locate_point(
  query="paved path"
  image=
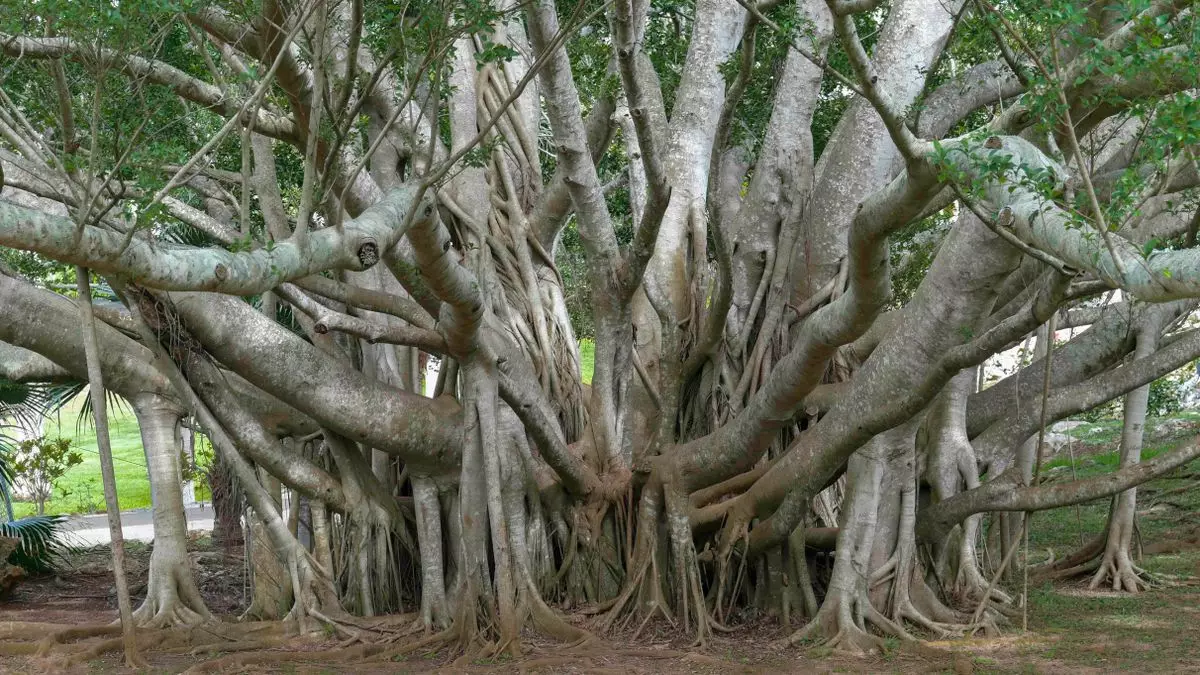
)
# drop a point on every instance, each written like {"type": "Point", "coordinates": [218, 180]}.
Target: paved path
{"type": "Point", "coordinates": [87, 531]}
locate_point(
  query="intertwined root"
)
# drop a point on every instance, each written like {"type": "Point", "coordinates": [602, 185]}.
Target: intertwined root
{"type": "Point", "coordinates": [236, 645]}
{"type": "Point", "coordinates": [1118, 568]}
{"type": "Point", "coordinates": [169, 604]}
{"type": "Point", "coordinates": [841, 625]}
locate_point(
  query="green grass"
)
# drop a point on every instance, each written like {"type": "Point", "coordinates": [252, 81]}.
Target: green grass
{"type": "Point", "coordinates": [1063, 529]}
{"type": "Point", "coordinates": [1148, 632]}
{"type": "Point", "coordinates": [587, 360]}
{"type": "Point", "coordinates": [79, 490]}
{"type": "Point", "coordinates": [1073, 629]}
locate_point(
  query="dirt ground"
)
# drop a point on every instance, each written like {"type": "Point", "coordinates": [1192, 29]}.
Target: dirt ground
{"type": "Point", "coordinates": [1072, 630]}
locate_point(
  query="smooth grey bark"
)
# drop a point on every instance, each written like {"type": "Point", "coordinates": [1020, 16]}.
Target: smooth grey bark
{"type": "Point", "coordinates": [95, 379]}
{"type": "Point", "coordinates": [172, 598]}
{"type": "Point", "coordinates": [860, 157]}
{"type": "Point", "coordinates": [1116, 564]}
{"type": "Point", "coordinates": [435, 611]}
{"type": "Point", "coordinates": [271, 589]}
{"type": "Point", "coordinates": [21, 365]}
{"type": "Point", "coordinates": [421, 430]}
{"type": "Point", "coordinates": [357, 245]}
{"type": "Point", "coordinates": [951, 468]}
{"type": "Point", "coordinates": [47, 323]}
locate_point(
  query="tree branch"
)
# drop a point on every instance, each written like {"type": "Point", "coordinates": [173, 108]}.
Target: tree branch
{"type": "Point", "coordinates": [356, 246]}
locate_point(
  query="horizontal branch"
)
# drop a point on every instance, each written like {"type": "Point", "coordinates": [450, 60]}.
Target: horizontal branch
{"type": "Point", "coordinates": [357, 245]}
{"type": "Point", "coordinates": [1002, 493]}
{"type": "Point", "coordinates": [382, 302]}
{"type": "Point", "coordinates": [18, 364]}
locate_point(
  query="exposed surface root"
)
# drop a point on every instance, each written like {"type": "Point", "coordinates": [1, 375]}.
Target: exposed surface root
{"type": "Point", "coordinates": [1118, 568]}
{"type": "Point", "coordinates": [76, 633]}
{"type": "Point", "coordinates": [841, 625]}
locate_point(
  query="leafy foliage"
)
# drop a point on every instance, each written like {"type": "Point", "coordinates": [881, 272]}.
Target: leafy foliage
{"type": "Point", "coordinates": [41, 548]}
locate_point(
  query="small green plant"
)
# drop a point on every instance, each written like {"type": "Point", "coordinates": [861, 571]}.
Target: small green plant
{"type": "Point", "coordinates": [38, 466]}
{"type": "Point", "coordinates": [89, 497]}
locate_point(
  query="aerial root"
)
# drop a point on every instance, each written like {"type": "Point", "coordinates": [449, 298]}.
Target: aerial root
{"type": "Point", "coordinates": [643, 583]}
{"type": "Point", "coordinates": [231, 647]}
{"type": "Point", "coordinates": [437, 640]}
{"type": "Point", "coordinates": [70, 655]}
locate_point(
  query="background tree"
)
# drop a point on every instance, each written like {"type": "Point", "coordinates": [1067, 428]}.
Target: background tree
{"type": "Point", "coordinates": [38, 466]}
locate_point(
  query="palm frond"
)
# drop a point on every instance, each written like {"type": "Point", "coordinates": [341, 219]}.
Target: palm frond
{"type": "Point", "coordinates": [42, 548]}
{"type": "Point", "coordinates": [182, 233]}
{"type": "Point", "coordinates": [28, 403]}
{"type": "Point", "coordinates": [6, 476]}
{"type": "Point", "coordinates": [86, 419]}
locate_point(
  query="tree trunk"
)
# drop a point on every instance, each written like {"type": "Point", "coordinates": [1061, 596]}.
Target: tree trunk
{"type": "Point", "coordinates": [1116, 564]}
{"type": "Point", "coordinates": [172, 598]}
{"type": "Point", "coordinates": [269, 578]}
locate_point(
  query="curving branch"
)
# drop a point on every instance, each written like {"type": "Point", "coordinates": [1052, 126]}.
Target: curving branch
{"type": "Point", "coordinates": [21, 365]}
{"type": "Point", "coordinates": [977, 86]}
{"type": "Point", "coordinates": [738, 445]}
{"type": "Point", "coordinates": [183, 85]}
{"type": "Point", "coordinates": [1002, 493]}
{"type": "Point", "coordinates": [325, 320]}
{"type": "Point", "coordinates": [357, 245]}
{"type": "Point", "coordinates": [1163, 276]}
{"type": "Point", "coordinates": [425, 432]}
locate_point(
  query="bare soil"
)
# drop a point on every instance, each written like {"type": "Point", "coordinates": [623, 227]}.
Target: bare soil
{"type": "Point", "coordinates": [1071, 631]}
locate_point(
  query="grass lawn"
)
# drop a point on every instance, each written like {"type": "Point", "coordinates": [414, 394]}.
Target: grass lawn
{"type": "Point", "coordinates": [587, 360]}
{"type": "Point", "coordinates": [79, 490]}
{"type": "Point", "coordinates": [1074, 629]}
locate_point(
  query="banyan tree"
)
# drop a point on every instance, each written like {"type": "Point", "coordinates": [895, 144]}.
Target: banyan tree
{"type": "Point", "coordinates": [358, 244]}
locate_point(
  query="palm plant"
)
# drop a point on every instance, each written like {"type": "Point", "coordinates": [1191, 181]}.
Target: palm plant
{"type": "Point", "coordinates": [41, 548]}
{"type": "Point", "coordinates": [22, 406]}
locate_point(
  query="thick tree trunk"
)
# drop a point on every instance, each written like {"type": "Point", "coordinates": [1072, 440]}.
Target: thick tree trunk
{"type": "Point", "coordinates": [271, 584]}
{"type": "Point", "coordinates": [171, 595]}
{"type": "Point", "coordinates": [1116, 564]}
